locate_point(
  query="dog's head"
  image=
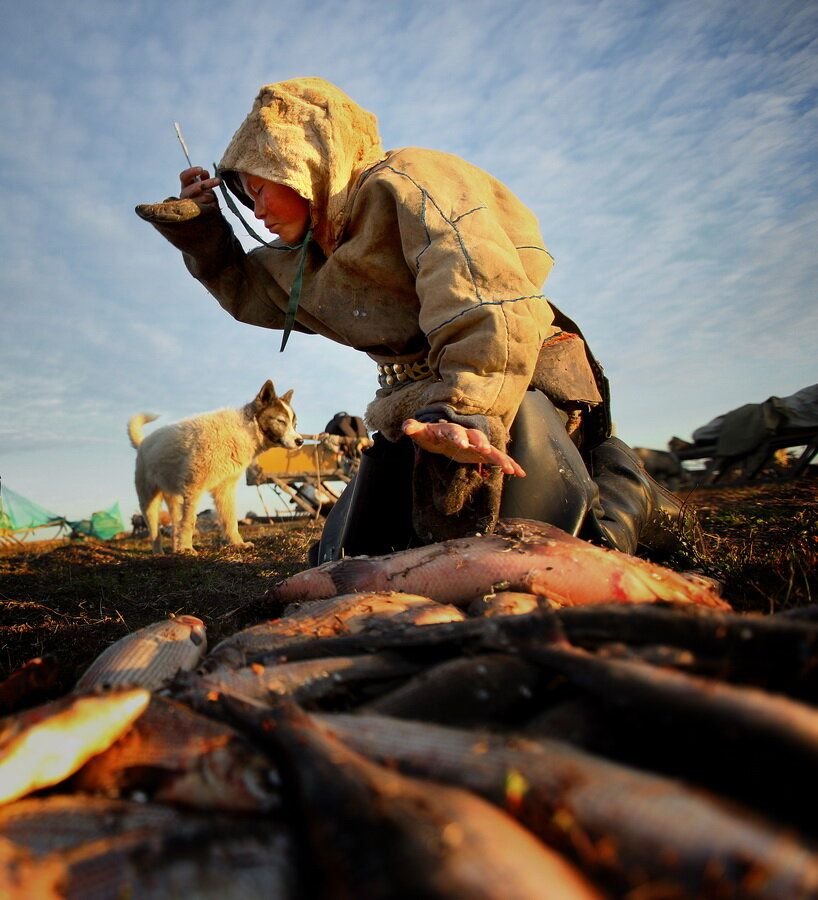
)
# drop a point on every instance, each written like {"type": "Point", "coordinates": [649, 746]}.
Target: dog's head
{"type": "Point", "coordinates": [275, 417]}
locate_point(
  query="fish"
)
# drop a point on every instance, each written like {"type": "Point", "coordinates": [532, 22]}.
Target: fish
{"type": "Point", "coordinates": [430, 643]}
{"type": "Point", "coordinates": [521, 555]}
{"type": "Point", "coordinates": [327, 617]}
{"type": "Point", "coordinates": [53, 822]}
{"type": "Point", "coordinates": [46, 744]}
{"type": "Point", "coordinates": [756, 746]}
{"type": "Point", "coordinates": [759, 717]}
{"type": "Point", "coordinates": [33, 679]}
{"type": "Point", "coordinates": [505, 603]}
{"type": "Point", "coordinates": [636, 828]}
{"type": "Point", "coordinates": [374, 833]}
{"type": "Point", "coordinates": [174, 755]}
{"type": "Point", "coordinates": [99, 848]}
{"type": "Point", "coordinates": [778, 653]}
{"type": "Point", "coordinates": [486, 688]}
{"type": "Point", "coordinates": [307, 680]}
{"type": "Point", "coordinates": [23, 876]}
{"type": "Point", "coordinates": [149, 657]}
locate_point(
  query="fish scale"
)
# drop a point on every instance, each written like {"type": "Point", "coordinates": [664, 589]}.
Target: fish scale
{"type": "Point", "coordinates": [148, 657]}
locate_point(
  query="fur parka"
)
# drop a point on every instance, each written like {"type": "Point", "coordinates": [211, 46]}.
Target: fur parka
{"type": "Point", "coordinates": [418, 256]}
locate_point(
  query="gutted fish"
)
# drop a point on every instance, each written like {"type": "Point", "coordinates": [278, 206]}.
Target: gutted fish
{"type": "Point", "coordinates": [377, 834]}
{"type": "Point", "coordinates": [149, 657]}
{"type": "Point", "coordinates": [174, 755]}
{"type": "Point", "coordinates": [44, 745]}
{"type": "Point", "coordinates": [522, 555]}
{"type": "Point", "coordinates": [351, 614]}
{"type": "Point", "coordinates": [637, 828]}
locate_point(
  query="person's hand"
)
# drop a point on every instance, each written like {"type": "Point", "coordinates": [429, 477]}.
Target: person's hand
{"type": "Point", "coordinates": [466, 445]}
{"type": "Point", "coordinates": [198, 186]}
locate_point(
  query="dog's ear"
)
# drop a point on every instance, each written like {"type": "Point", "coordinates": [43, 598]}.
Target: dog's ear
{"type": "Point", "coordinates": [266, 395]}
{"type": "Point", "coordinates": [288, 397]}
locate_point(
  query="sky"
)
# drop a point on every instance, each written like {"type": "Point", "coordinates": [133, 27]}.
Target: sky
{"type": "Point", "coordinates": [668, 150]}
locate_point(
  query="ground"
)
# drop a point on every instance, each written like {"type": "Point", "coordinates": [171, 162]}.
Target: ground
{"type": "Point", "coordinates": [70, 599]}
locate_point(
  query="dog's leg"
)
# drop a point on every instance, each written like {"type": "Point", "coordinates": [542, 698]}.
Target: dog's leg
{"type": "Point", "coordinates": [224, 496]}
{"type": "Point", "coordinates": [150, 510]}
{"type": "Point", "coordinates": [187, 524]}
{"type": "Point", "coordinates": [174, 505]}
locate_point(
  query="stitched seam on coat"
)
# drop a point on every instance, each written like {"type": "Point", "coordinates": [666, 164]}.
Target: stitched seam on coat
{"type": "Point", "coordinates": [425, 228]}
{"type": "Point", "coordinates": [463, 312]}
{"type": "Point", "coordinates": [463, 215]}
{"type": "Point", "coordinates": [451, 223]}
{"type": "Point", "coordinates": [533, 247]}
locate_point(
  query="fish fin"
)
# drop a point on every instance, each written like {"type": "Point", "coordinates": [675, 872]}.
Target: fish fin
{"type": "Point", "coordinates": [357, 573]}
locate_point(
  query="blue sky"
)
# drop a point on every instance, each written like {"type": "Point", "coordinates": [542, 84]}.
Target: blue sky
{"type": "Point", "coordinates": [668, 149]}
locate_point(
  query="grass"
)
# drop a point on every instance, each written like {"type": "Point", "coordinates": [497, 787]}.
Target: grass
{"type": "Point", "coordinates": [68, 600]}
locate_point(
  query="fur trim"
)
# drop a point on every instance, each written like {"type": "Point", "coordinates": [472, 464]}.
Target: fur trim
{"type": "Point", "coordinates": [388, 411]}
{"type": "Point", "coordinates": [453, 499]}
{"type": "Point", "coordinates": [309, 135]}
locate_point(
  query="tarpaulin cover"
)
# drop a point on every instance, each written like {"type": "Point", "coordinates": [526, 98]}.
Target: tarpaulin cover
{"type": "Point", "coordinates": [17, 513]}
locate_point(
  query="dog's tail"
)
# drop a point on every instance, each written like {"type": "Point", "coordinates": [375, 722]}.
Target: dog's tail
{"type": "Point", "coordinates": [135, 425]}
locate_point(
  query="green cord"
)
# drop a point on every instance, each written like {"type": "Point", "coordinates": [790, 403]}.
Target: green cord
{"type": "Point", "coordinates": [295, 291]}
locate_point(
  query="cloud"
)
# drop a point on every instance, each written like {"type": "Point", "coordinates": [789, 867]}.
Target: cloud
{"type": "Point", "coordinates": [667, 149]}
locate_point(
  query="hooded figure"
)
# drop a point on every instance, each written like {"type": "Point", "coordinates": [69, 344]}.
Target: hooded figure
{"type": "Point", "coordinates": [435, 270]}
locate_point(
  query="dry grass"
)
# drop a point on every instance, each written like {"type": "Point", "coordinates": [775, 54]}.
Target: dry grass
{"type": "Point", "coordinates": [70, 599]}
{"type": "Point", "coordinates": [762, 543]}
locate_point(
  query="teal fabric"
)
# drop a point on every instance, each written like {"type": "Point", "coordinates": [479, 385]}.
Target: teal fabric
{"type": "Point", "coordinates": [17, 513]}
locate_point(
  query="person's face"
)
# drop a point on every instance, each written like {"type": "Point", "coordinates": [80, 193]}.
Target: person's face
{"type": "Point", "coordinates": [283, 211]}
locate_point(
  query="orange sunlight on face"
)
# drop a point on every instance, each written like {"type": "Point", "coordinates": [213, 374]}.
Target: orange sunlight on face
{"type": "Point", "coordinates": [283, 211]}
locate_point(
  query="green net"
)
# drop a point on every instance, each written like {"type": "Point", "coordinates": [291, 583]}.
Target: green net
{"type": "Point", "coordinates": [20, 514]}
{"type": "Point", "coordinates": [105, 524]}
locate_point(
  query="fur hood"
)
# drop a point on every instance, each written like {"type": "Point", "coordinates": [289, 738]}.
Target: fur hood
{"type": "Point", "coordinates": [309, 135]}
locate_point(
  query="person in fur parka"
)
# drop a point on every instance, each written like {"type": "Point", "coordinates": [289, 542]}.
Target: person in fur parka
{"type": "Point", "coordinates": [434, 269]}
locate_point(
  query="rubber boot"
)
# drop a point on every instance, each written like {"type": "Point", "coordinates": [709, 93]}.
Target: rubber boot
{"type": "Point", "coordinates": [634, 510]}
{"type": "Point", "coordinates": [557, 488]}
{"type": "Point", "coordinates": [374, 513]}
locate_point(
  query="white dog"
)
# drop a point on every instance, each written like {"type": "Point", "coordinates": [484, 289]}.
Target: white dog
{"type": "Point", "coordinates": [209, 452]}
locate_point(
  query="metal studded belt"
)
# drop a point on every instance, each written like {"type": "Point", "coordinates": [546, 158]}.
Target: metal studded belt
{"type": "Point", "coordinates": [397, 373]}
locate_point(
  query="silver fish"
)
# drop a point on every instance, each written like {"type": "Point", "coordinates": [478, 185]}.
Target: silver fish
{"type": "Point", "coordinates": [307, 680]}
{"type": "Point", "coordinates": [349, 614]}
{"type": "Point", "coordinates": [375, 833]}
{"type": "Point", "coordinates": [522, 555]}
{"type": "Point", "coordinates": [468, 690]}
{"type": "Point", "coordinates": [640, 827]}
{"type": "Point", "coordinates": [756, 714]}
{"type": "Point", "coordinates": [99, 848]}
{"type": "Point", "coordinates": [149, 657]}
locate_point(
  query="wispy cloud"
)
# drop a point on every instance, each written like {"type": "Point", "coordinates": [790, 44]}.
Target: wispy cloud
{"type": "Point", "coordinates": [668, 150]}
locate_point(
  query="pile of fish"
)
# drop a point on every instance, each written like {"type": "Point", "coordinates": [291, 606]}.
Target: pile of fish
{"type": "Point", "coordinates": [520, 715]}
